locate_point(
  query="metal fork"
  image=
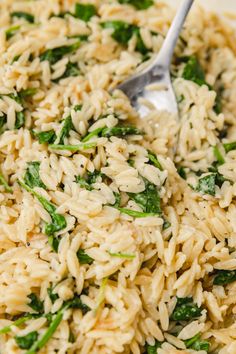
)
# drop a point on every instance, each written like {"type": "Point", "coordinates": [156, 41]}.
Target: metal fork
{"type": "Point", "coordinates": [154, 83]}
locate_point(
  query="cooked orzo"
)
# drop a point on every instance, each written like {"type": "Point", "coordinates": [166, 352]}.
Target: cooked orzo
{"type": "Point", "coordinates": [114, 240]}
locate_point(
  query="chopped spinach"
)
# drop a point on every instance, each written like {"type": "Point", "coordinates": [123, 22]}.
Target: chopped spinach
{"type": "Point", "coordinates": [194, 72]}
{"type": "Point", "coordinates": [46, 137]}
{"type": "Point", "coordinates": [67, 126]}
{"type": "Point", "coordinates": [85, 11]}
{"type": "Point", "coordinates": [122, 255]}
{"type": "Point", "coordinates": [166, 225]}
{"type": "Point", "coordinates": [3, 120]}
{"type": "Point", "coordinates": [52, 296]}
{"type": "Point", "coordinates": [58, 221]}
{"type": "Point", "coordinates": [25, 15]}
{"type": "Point", "coordinates": [117, 200]}
{"type": "Point", "coordinates": [36, 304]}
{"type": "Point", "coordinates": [149, 200]}
{"type": "Point", "coordinates": [89, 180]}
{"type": "Point", "coordinates": [20, 120]}
{"type": "Point", "coordinates": [4, 183]}
{"type": "Point", "coordinates": [138, 4]}
{"type": "Point", "coordinates": [74, 148]}
{"type": "Point", "coordinates": [25, 342]}
{"type": "Point", "coordinates": [27, 93]}
{"type": "Point", "coordinates": [196, 343]}
{"type": "Point", "coordinates": [11, 31]}
{"type": "Point", "coordinates": [72, 69]}
{"type": "Point", "coordinates": [119, 131]}
{"type": "Point", "coordinates": [152, 349]}
{"type": "Point", "coordinates": [230, 146]}
{"type": "Point", "coordinates": [56, 54]}
{"type": "Point", "coordinates": [218, 102]}
{"type": "Point", "coordinates": [32, 177]}
{"type": "Point", "coordinates": [224, 277]}
{"type": "Point", "coordinates": [181, 171]}
{"type": "Point", "coordinates": [154, 161]}
{"type": "Point", "coordinates": [185, 310]}
{"type": "Point", "coordinates": [123, 32]}
{"type": "Point", "coordinates": [83, 257]}
{"type": "Point", "coordinates": [220, 159]}
{"type": "Point", "coordinates": [206, 185]}
{"type": "Point", "coordinates": [135, 214]}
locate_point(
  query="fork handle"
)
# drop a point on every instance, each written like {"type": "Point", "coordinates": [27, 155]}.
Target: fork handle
{"type": "Point", "coordinates": [164, 56]}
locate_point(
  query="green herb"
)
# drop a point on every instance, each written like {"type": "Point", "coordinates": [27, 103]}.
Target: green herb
{"type": "Point", "coordinates": [206, 185]}
{"type": "Point", "coordinates": [117, 200]}
{"type": "Point", "coordinates": [32, 177]}
{"type": "Point", "coordinates": [154, 161]}
{"type": "Point", "coordinates": [25, 342]}
{"type": "Point", "coordinates": [76, 303]}
{"type": "Point", "coordinates": [218, 156]}
{"type": "Point", "coordinates": [166, 225]}
{"type": "Point", "coordinates": [194, 72]}
{"type": "Point", "coordinates": [224, 277]}
{"type": "Point", "coordinates": [122, 255]}
{"type": "Point", "coordinates": [85, 11]}
{"type": "Point", "coordinates": [46, 137]}
{"type": "Point", "coordinates": [67, 126]}
{"type": "Point", "coordinates": [16, 323]}
{"type": "Point", "coordinates": [135, 214]}
{"type": "Point", "coordinates": [72, 69]}
{"type": "Point", "coordinates": [82, 146]}
{"type": "Point", "coordinates": [123, 32]}
{"type": "Point", "coordinates": [230, 146]}
{"type": "Point", "coordinates": [53, 296]}
{"type": "Point", "coordinates": [36, 304]}
{"type": "Point", "coordinates": [84, 258]}
{"type": "Point", "coordinates": [25, 15]}
{"type": "Point", "coordinates": [185, 310]}
{"type": "Point", "coordinates": [27, 93]}
{"type": "Point", "coordinates": [56, 54]}
{"type": "Point", "coordinates": [89, 180]}
{"type": "Point", "coordinates": [58, 221]}
{"type": "Point", "coordinates": [4, 183]}
{"type": "Point", "coordinates": [181, 171]}
{"type": "Point", "coordinates": [152, 349]}
{"type": "Point", "coordinates": [115, 131]}
{"type": "Point", "coordinates": [11, 31]}
{"type": "Point", "coordinates": [20, 120]}
{"type": "Point", "coordinates": [138, 4]}
{"type": "Point", "coordinates": [196, 343]}
{"type": "Point", "coordinates": [218, 101]}
{"type": "Point", "coordinates": [149, 200]}
{"type": "Point", "coordinates": [3, 120]}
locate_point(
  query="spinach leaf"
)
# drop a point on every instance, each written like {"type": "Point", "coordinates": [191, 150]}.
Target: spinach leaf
{"type": "Point", "coordinates": [58, 221]}
{"type": "Point", "coordinates": [27, 93]}
{"type": "Point", "coordinates": [53, 296]}
{"type": "Point", "coordinates": [76, 303]}
{"type": "Point", "coordinates": [149, 200]}
{"type": "Point", "coordinates": [220, 159]}
{"type": "Point", "coordinates": [4, 183]}
{"type": "Point", "coordinates": [218, 102]}
{"type": "Point", "coordinates": [72, 69]}
{"type": "Point", "coordinates": [74, 148]}
{"type": "Point", "coordinates": [181, 171]}
{"type": "Point", "coordinates": [85, 11]}
{"type": "Point", "coordinates": [36, 304]}
{"type": "Point", "coordinates": [196, 343]}
{"type": "Point", "coordinates": [230, 146]}
{"type": "Point", "coordinates": [20, 120]}
{"type": "Point", "coordinates": [25, 342]}
{"type": "Point", "coordinates": [152, 349]}
{"type": "Point", "coordinates": [123, 32]}
{"type": "Point", "coordinates": [194, 72]}
{"type": "Point", "coordinates": [185, 310]}
{"type": "Point", "coordinates": [84, 258]}
{"type": "Point", "coordinates": [32, 178]}
{"type": "Point", "coordinates": [206, 185]}
{"type": "Point", "coordinates": [135, 214]}
{"type": "Point", "coordinates": [122, 255]}
{"type": "Point", "coordinates": [91, 179]}
{"type": "Point", "coordinates": [46, 137]}
{"type": "Point", "coordinates": [138, 4]}
{"type": "Point", "coordinates": [224, 277]}
{"type": "Point", "coordinates": [11, 31]}
{"type": "Point", "coordinates": [67, 126]}
{"type": "Point", "coordinates": [154, 161]}
{"type": "Point", "coordinates": [25, 15]}
{"type": "Point", "coordinates": [56, 54]}
{"type": "Point", "coordinates": [3, 120]}
{"type": "Point", "coordinates": [117, 200]}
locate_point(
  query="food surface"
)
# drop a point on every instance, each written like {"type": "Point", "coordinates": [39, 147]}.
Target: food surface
{"type": "Point", "coordinates": [110, 242]}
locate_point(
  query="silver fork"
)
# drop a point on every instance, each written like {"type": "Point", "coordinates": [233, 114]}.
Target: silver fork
{"type": "Point", "coordinates": [154, 83]}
